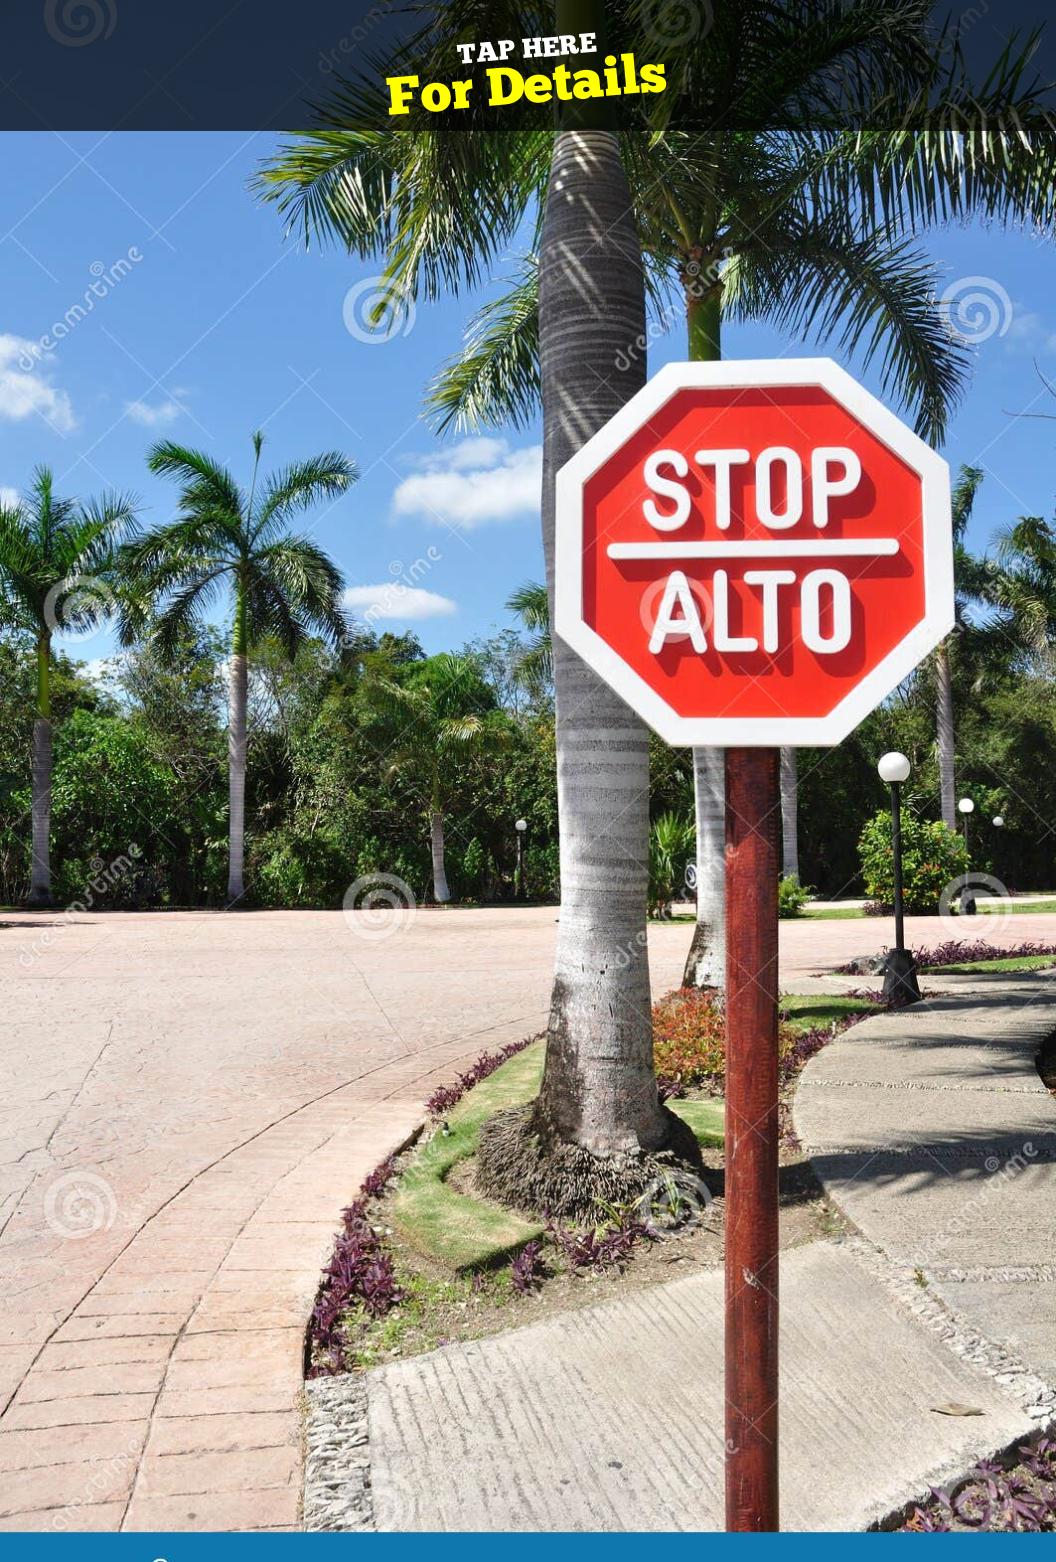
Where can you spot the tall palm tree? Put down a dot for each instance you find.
(56, 573)
(225, 540)
(442, 210)
(441, 715)
(968, 586)
(535, 665)
(598, 1124)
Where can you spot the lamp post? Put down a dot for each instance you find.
(900, 972)
(966, 808)
(518, 883)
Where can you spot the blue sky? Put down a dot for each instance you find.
(207, 324)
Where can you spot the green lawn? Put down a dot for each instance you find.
(465, 1233)
(1024, 908)
(805, 1010)
(833, 913)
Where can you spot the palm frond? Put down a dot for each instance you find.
(495, 378)
(872, 296)
(300, 486)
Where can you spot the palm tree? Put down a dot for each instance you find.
(56, 571)
(441, 210)
(535, 666)
(441, 715)
(280, 586)
(968, 586)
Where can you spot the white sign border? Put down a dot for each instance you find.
(755, 731)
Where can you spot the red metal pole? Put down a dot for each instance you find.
(752, 813)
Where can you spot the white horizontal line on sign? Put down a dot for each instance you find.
(859, 547)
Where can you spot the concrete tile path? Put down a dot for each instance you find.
(188, 1099)
(932, 1130)
(934, 1133)
(611, 1418)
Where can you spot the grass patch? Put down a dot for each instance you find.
(465, 1233)
(804, 1011)
(1025, 907)
(981, 967)
(706, 1117)
(452, 1227)
(832, 913)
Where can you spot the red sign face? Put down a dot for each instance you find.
(754, 552)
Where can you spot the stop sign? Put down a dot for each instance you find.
(754, 552)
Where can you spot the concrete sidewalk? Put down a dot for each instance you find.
(612, 1418)
(933, 1132)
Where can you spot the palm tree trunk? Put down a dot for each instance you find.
(945, 735)
(706, 964)
(789, 814)
(598, 1116)
(236, 757)
(706, 961)
(441, 893)
(40, 873)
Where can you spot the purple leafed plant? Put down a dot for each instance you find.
(447, 1096)
(964, 951)
(1017, 1495)
(360, 1270)
(527, 1269)
(596, 1247)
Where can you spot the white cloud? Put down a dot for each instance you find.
(1029, 330)
(99, 669)
(393, 600)
(25, 387)
(476, 481)
(9, 497)
(158, 416)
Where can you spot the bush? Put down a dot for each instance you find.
(792, 896)
(689, 1042)
(932, 857)
(671, 841)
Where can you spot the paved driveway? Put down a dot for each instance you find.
(187, 1101)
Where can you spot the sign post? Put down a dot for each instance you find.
(753, 554)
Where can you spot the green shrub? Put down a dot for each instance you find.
(932, 856)
(792, 896)
(670, 846)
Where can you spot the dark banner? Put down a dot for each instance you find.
(697, 65)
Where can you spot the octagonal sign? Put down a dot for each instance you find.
(754, 552)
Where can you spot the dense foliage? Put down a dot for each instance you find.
(141, 760)
(933, 856)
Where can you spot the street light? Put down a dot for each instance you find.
(900, 972)
(518, 885)
(999, 821)
(966, 808)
